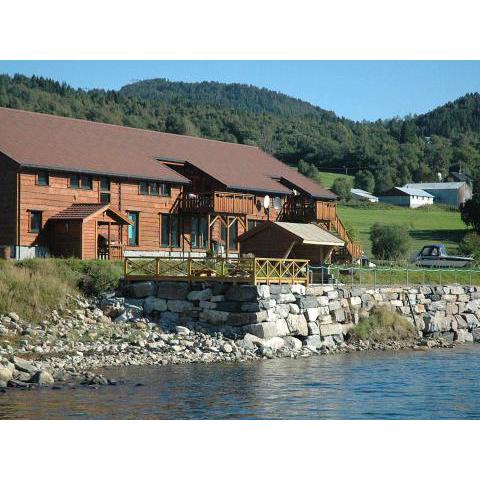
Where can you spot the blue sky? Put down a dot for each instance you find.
(354, 89)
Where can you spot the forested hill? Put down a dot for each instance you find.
(396, 151)
(235, 96)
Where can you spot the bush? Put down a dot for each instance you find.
(389, 242)
(365, 180)
(342, 187)
(383, 325)
(470, 245)
(96, 276)
(470, 212)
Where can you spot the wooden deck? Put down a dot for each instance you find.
(232, 270)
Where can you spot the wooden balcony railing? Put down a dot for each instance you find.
(234, 270)
(112, 252)
(303, 209)
(218, 202)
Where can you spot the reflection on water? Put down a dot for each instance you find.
(414, 385)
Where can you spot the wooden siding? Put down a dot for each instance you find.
(8, 201)
(261, 244)
(66, 241)
(150, 209)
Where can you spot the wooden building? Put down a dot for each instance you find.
(72, 187)
(307, 241)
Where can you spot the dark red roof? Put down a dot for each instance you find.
(81, 211)
(47, 141)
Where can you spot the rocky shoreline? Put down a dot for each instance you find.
(70, 346)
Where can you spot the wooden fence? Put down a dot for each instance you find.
(233, 270)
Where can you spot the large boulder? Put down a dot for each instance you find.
(24, 365)
(141, 289)
(297, 324)
(275, 343)
(154, 304)
(246, 318)
(462, 336)
(43, 378)
(242, 293)
(313, 341)
(199, 295)
(285, 298)
(173, 290)
(330, 329)
(293, 343)
(263, 330)
(179, 306)
(307, 302)
(5, 374)
(282, 327)
(214, 317)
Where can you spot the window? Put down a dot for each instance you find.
(169, 232)
(233, 236)
(35, 221)
(104, 185)
(87, 183)
(199, 232)
(74, 181)
(165, 189)
(133, 229)
(194, 232)
(143, 188)
(203, 232)
(43, 179)
(104, 198)
(154, 189)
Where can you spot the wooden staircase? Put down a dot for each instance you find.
(304, 209)
(349, 253)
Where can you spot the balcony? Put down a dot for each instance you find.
(218, 202)
(301, 209)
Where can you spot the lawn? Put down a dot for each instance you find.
(426, 225)
(326, 179)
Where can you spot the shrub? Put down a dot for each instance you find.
(470, 212)
(96, 276)
(342, 187)
(470, 245)
(389, 242)
(365, 180)
(383, 325)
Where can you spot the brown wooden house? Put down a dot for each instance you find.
(77, 188)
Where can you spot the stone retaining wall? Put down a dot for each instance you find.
(316, 315)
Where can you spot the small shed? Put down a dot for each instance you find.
(88, 231)
(290, 240)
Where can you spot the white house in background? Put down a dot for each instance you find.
(448, 193)
(359, 194)
(406, 197)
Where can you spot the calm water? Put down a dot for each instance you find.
(410, 385)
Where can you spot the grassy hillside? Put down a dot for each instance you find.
(426, 225)
(326, 178)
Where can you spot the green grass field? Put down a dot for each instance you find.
(429, 225)
(326, 178)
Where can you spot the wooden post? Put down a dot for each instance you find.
(109, 241)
